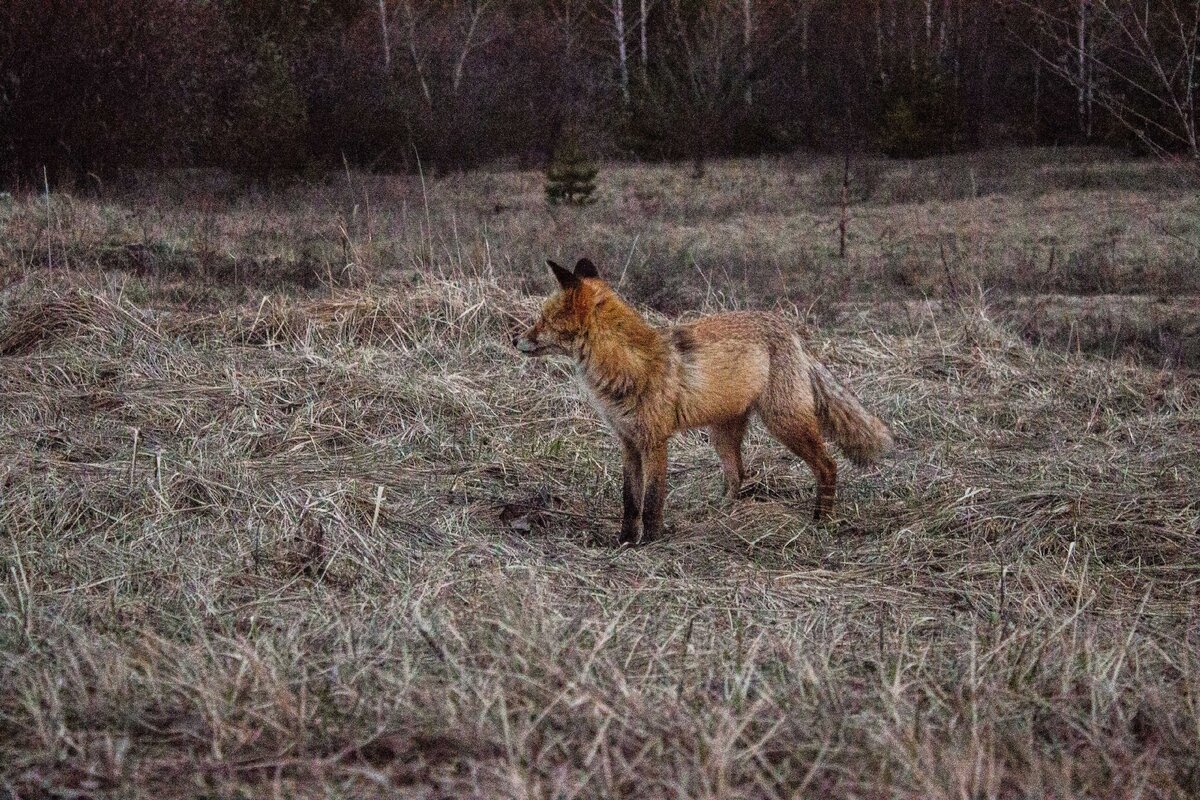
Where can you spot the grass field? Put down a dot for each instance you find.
(283, 515)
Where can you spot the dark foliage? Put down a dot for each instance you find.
(920, 114)
(90, 89)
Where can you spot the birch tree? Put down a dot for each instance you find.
(644, 35)
(1083, 77)
(568, 17)
(440, 40)
(747, 52)
(616, 9)
(385, 38)
(804, 12)
(1135, 59)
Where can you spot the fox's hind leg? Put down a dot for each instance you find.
(654, 471)
(727, 439)
(802, 435)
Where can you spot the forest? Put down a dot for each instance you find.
(93, 89)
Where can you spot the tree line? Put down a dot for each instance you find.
(92, 88)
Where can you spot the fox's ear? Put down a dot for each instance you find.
(584, 268)
(565, 279)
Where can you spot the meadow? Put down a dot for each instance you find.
(282, 513)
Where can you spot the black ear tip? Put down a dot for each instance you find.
(552, 264)
(563, 275)
(584, 268)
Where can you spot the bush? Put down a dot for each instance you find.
(920, 115)
(270, 122)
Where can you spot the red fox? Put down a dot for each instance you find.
(713, 373)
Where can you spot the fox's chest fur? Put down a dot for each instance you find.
(634, 405)
(598, 403)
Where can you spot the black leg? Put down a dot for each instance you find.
(655, 471)
(631, 493)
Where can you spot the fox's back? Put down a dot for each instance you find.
(726, 361)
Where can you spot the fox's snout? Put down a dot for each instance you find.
(526, 343)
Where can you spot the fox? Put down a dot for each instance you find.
(716, 372)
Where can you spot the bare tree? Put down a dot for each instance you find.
(879, 39)
(804, 12)
(1133, 58)
(1083, 77)
(621, 36)
(442, 37)
(385, 38)
(466, 80)
(413, 39)
(703, 72)
(707, 66)
(643, 30)
(571, 89)
(471, 38)
(568, 18)
(943, 28)
(747, 39)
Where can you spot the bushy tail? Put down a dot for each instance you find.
(859, 434)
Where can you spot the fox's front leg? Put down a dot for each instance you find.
(632, 489)
(654, 471)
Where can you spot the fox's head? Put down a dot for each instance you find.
(565, 315)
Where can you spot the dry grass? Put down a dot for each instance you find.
(266, 540)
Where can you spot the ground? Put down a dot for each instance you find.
(284, 515)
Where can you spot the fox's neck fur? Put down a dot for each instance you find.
(622, 357)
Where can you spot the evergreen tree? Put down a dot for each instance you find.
(921, 115)
(571, 176)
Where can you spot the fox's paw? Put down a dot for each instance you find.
(628, 539)
(634, 540)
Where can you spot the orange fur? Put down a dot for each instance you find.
(713, 373)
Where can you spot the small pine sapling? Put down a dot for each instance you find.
(571, 175)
